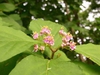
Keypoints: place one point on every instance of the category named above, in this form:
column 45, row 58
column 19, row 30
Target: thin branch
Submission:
column 53, row 51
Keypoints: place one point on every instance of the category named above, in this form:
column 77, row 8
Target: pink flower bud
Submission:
column 72, row 45
column 35, row 35
column 36, row 48
column 45, row 30
column 63, row 45
column 65, row 40
column 42, row 48
column 61, row 32
column 68, row 37
column 49, row 40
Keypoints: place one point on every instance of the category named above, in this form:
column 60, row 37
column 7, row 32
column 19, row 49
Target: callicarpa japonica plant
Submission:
column 45, row 48
column 47, row 38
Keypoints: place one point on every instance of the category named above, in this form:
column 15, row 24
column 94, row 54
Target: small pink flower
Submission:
column 64, row 40
column 45, row 30
column 72, row 45
column 61, row 32
column 35, row 35
column 42, row 48
column 36, row 48
column 49, row 40
column 63, row 45
column 69, row 36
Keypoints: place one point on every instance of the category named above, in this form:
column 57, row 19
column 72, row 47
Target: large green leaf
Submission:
column 36, row 25
column 89, row 69
column 10, row 22
column 64, row 68
column 13, row 21
column 7, row 7
column 1, row 22
column 7, row 66
column 17, row 18
column 13, row 42
column 33, row 65
column 91, row 51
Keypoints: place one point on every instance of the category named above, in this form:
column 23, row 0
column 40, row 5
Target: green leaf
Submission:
column 47, row 52
column 60, row 56
column 1, row 22
column 10, row 22
column 33, row 12
column 91, row 51
column 64, row 68
column 7, row 66
column 13, row 42
column 36, row 25
column 33, row 65
column 1, row 13
column 7, row 7
column 17, row 18
column 89, row 69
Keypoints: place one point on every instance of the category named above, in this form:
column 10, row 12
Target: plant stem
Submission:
column 53, row 52
column 52, row 55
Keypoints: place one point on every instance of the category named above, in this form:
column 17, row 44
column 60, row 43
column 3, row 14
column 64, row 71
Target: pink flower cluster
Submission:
column 36, row 48
column 35, row 35
column 45, row 30
column 67, row 40
column 47, row 38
